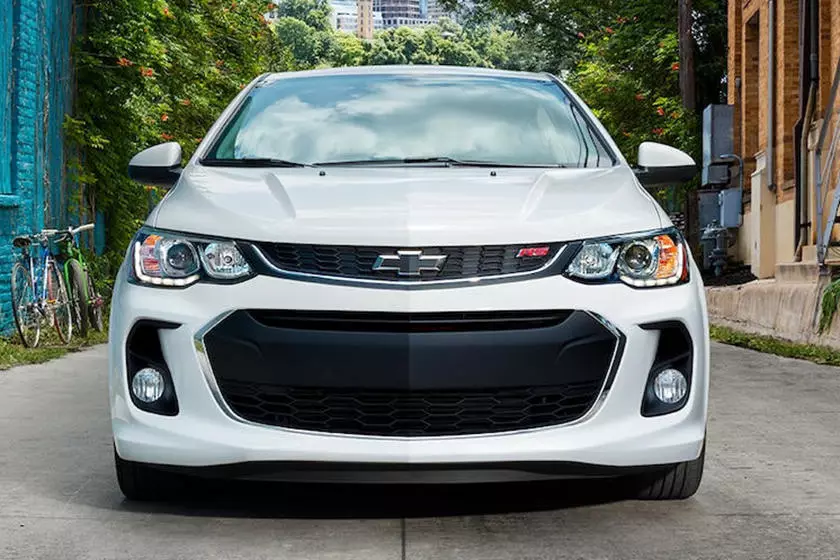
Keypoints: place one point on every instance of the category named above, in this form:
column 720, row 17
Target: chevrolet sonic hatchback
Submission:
column 409, row 274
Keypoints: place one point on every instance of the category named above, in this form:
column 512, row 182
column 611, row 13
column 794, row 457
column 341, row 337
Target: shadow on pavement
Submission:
column 342, row 501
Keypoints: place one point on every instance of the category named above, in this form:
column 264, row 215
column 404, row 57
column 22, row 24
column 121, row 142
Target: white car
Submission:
column 409, row 274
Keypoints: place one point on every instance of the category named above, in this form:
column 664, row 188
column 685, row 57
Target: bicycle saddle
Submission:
column 21, row 241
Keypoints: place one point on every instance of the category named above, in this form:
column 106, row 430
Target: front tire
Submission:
column 678, row 482
column 27, row 317
column 141, row 483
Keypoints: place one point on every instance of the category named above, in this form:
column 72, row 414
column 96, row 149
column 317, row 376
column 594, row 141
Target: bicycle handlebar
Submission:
column 86, row 227
column 43, row 235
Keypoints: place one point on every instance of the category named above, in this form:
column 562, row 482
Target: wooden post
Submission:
column 688, row 87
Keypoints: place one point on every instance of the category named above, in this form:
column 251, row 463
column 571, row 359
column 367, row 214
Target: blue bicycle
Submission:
column 38, row 291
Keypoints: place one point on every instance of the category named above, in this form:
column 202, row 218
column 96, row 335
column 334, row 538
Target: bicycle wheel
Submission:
column 77, row 289
column 96, row 305
column 27, row 316
column 59, row 303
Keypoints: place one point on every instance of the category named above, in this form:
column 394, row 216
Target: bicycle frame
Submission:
column 74, row 253
column 38, row 267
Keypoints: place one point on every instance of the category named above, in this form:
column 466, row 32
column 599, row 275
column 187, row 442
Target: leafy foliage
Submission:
column 830, row 302
column 150, row 71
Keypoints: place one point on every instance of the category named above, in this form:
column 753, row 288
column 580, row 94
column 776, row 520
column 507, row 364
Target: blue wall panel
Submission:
column 35, row 38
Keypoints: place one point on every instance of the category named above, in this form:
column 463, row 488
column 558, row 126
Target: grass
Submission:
column 771, row 345
column 13, row 353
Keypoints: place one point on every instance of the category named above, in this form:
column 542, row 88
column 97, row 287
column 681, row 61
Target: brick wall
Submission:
column 32, row 143
column 748, row 61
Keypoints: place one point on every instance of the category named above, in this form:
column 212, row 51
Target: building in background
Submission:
column 344, row 15
column 435, row 11
column 782, row 106
column 365, row 19
column 407, row 13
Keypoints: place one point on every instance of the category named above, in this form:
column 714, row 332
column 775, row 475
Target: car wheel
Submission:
column 141, row 483
column 677, row 482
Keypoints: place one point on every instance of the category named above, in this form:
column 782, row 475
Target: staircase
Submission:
column 828, row 180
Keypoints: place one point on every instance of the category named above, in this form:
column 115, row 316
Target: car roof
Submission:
column 407, row 70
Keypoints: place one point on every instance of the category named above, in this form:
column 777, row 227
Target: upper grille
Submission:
column 410, row 413
column 357, row 262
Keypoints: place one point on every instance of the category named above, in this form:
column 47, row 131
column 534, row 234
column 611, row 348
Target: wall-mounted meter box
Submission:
column 718, row 140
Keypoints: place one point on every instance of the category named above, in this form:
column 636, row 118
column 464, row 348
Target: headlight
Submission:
column 171, row 259
column 658, row 259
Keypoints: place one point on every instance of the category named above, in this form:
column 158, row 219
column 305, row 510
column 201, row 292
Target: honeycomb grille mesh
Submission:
column 357, row 262
column 409, row 413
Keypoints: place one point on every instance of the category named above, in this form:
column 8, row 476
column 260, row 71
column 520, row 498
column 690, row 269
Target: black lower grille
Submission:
column 358, row 262
column 410, row 413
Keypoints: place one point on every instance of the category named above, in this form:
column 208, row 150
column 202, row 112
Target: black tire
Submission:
column 78, row 297
column 27, row 318
column 60, row 303
column 678, row 482
column 96, row 306
column 141, row 483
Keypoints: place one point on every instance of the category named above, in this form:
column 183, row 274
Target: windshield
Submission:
column 392, row 117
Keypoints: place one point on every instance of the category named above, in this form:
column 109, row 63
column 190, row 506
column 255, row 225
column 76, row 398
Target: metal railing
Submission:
column 826, row 181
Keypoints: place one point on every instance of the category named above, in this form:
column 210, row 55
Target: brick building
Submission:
column 35, row 93
column 783, row 56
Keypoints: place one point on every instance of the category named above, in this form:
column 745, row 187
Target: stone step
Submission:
column 797, row 273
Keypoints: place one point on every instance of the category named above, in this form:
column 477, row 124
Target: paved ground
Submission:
column 772, row 489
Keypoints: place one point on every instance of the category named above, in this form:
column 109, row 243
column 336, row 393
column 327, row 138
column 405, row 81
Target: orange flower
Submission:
column 271, row 6
column 658, row 131
column 640, row 96
column 166, row 136
column 186, row 102
column 124, row 62
column 675, row 115
column 146, row 72
column 199, row 140
column 610, row 30
column 164, row 117
column 167, row 13
column 675, row 66
column 219, row 63
column 627, row 134
column 661, row 112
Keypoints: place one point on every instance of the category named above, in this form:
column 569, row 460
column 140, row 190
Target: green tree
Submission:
column 314, row 13
column 150, row 71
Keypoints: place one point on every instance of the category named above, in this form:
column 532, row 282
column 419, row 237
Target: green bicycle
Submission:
column 86, row 304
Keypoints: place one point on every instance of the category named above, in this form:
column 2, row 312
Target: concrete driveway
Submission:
column 772, row 489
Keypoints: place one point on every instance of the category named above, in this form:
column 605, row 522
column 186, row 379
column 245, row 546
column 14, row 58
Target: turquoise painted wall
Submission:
column 36, row 86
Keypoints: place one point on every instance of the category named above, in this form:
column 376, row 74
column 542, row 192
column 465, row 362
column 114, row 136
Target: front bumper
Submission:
column 205, row 434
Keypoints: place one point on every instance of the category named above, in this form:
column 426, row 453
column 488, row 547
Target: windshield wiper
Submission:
column 252, row 162
column 421, row 160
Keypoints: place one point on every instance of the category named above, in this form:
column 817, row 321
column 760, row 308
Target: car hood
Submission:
column 407, row 206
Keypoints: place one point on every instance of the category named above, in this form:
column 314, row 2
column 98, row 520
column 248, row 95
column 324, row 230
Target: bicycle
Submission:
column 86, row 303
column 38, row 291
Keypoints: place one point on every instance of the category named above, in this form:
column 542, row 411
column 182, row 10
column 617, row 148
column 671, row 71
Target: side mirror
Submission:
column 159, row 165
column 660, row 164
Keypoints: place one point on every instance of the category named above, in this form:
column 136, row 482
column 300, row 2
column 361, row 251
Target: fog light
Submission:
column 148, row 385
column 670, row 386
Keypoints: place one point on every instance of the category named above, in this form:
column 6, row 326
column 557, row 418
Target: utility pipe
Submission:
column 811, row 66
column 771, row 95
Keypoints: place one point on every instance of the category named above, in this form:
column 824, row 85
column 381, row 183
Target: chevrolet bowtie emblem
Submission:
column 409, row 263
